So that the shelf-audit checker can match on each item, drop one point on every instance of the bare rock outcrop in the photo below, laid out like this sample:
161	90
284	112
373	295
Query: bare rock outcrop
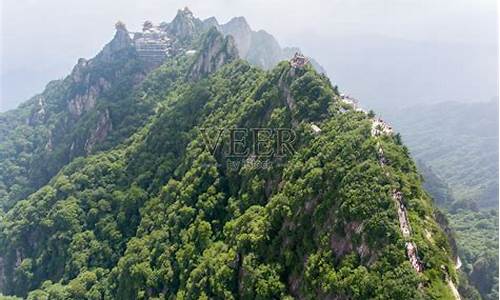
184	25
217	50
86	100
39	114
120	41
242	33
103	127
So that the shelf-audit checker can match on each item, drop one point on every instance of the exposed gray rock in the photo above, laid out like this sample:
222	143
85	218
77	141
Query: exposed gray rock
120	41
78	70
211	22
184	25
265	51
259	47
39	114
87	100
82	103
103	127
217	50
241	32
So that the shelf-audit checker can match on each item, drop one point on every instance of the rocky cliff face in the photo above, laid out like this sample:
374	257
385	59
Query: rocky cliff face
242	33
38	114
103	127
86	100
211	22
259	47
185	25
74	103
265	50
89	79
58	121
217	51
121	41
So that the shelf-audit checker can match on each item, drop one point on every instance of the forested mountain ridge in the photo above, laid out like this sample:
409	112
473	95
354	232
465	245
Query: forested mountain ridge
457	149
258	47
74	116
459	141
152	212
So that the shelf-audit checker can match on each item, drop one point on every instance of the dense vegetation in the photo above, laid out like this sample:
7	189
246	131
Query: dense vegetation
459	141
43	135
477	237
153	213
457	147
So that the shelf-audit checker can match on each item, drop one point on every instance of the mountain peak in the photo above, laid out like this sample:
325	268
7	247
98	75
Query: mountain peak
240	23
120	26
120	41
211	22
216	51
184	13
184	25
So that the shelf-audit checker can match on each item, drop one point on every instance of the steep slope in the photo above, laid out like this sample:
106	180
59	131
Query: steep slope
178	171
163	215
216	51
259	48
99	105
456	145
460	142
72	117
476	231
435	185
477	238
104	100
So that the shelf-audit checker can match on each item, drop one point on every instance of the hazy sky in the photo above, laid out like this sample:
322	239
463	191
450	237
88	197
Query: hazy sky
400	50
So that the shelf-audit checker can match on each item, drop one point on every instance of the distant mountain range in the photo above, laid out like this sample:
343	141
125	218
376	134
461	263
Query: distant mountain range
258	47
459	142
456	147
